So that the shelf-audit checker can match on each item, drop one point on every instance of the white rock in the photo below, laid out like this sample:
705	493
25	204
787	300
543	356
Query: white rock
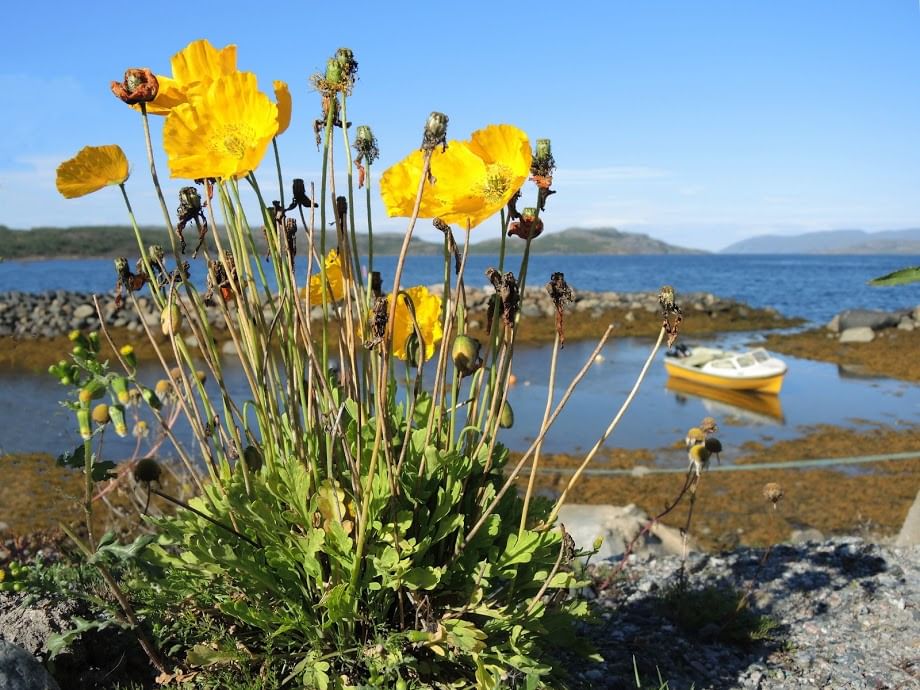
84	311
906	324
860	334
229	348
834	324
617	526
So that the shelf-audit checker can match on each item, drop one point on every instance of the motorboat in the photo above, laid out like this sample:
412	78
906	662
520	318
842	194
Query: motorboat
752	370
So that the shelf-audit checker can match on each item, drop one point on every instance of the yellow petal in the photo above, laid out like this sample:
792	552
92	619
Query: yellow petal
200	61
93	168
283	100
335	282
427	315
221	133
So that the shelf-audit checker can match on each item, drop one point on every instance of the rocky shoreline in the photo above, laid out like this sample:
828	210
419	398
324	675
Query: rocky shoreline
54	313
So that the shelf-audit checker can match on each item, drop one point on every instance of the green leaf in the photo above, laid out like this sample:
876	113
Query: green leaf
203	655
901	277
60	643
426	577
109	546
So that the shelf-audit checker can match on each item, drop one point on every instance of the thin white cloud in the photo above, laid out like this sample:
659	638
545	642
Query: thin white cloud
613	173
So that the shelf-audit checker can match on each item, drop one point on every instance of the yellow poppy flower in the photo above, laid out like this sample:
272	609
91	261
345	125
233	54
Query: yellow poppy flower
92	169
427	314
223	132
473	179
335	282
283	100
193	69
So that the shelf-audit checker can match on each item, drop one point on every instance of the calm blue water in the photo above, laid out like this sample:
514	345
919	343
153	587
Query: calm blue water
812	287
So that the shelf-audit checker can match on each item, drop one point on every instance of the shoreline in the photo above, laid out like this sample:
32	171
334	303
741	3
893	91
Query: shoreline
34	326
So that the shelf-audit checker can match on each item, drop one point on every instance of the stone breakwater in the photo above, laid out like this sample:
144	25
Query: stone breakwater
55	313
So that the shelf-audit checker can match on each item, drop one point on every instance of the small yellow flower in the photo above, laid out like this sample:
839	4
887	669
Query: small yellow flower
222	132
427	314
193	69
473	179
283	101
335	282
92	169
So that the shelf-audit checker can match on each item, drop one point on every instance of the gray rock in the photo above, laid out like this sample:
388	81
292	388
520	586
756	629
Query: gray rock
867	318
19	670
84	311
834	324
906	324
910	530
858	334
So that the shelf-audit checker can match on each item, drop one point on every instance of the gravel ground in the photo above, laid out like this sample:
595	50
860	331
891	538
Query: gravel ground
848	615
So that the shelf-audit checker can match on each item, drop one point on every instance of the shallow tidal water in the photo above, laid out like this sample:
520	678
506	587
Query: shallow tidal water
31	418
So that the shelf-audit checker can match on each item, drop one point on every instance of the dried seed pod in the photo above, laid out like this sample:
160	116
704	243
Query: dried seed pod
773	492
147	470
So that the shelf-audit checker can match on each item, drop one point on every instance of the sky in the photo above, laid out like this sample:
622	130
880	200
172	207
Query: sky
697	122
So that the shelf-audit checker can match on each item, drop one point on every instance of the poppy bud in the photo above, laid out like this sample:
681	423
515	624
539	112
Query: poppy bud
345	58
120	388
333	72
101	414
435	131
117	415
252	456
544	150
713	445
412	349
506	418
139	86
465	354
170	319
147	470
130	358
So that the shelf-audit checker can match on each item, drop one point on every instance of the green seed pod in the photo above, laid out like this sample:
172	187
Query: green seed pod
151	398
120	388
333	72
252	456
506	419
117	415
101	414
147	470
465	354
544	149
86	431
190	201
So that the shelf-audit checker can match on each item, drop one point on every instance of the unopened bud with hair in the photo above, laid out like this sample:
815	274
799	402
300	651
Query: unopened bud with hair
435	131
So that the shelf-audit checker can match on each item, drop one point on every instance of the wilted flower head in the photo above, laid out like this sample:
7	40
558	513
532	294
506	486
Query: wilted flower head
773	492
139	86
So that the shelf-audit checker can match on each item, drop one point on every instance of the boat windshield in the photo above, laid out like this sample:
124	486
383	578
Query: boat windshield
760	355
723	364
745	361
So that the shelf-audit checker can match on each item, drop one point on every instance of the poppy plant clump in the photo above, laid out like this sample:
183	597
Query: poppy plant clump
355	521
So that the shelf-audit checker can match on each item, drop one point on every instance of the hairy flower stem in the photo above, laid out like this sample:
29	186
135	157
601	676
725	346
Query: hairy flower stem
536	454
156	181
154	291
370	232
278	170
609	430
88	486
349	172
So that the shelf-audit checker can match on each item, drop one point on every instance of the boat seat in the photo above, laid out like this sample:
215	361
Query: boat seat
700	356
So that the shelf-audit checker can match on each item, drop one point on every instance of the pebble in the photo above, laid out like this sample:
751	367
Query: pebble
847	612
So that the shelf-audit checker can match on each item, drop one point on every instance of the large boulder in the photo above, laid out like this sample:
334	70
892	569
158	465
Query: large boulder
617	526
19	670
910	530
868	318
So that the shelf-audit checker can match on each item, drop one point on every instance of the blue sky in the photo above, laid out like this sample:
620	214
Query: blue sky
699	123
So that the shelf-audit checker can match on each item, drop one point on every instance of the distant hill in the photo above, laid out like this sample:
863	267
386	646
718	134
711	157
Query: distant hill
111	241
832	242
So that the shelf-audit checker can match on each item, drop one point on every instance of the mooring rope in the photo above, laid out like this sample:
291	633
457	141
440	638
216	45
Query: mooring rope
642	470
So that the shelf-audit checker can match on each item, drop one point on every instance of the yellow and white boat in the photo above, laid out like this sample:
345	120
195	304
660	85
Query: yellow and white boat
755	370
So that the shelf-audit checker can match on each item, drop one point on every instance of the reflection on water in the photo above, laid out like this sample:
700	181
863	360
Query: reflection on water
754	408
814	393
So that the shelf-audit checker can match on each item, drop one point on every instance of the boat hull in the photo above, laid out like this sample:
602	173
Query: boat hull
771	384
